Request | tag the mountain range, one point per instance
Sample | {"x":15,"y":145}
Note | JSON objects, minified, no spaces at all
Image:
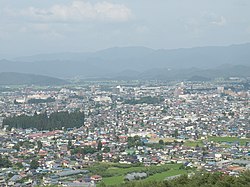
{"x":138,"y":62}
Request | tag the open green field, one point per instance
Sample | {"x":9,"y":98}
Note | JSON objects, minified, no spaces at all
{"x":193,"y":143}
{"x":163,"y":175}
{"x":217,"y":139}
{"x":113,"y":180}
{"x":121,"y":172}
{"x":228,"y":139}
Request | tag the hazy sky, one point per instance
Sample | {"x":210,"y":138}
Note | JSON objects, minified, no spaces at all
{"x":47,"y":26}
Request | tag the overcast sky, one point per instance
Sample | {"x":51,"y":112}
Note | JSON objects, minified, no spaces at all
{"x":46,"y":26}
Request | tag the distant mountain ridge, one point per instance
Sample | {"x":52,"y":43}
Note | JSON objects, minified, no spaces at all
{"x":109,"y":62}
{"x":12,"y":78}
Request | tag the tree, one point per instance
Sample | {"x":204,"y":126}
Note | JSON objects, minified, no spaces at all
{"x":16,"y":147}
{"x":106,"y":149}
{"x":99,"y":146}
{"x":4,"y":162}
{"x":15,"y":102}
{"x":176,"y":133}
{"x":117,"y":139}
{"x":34,"y":164}
{"x":161,"y":142}
{"x":99,"y":157}
{"x":39,"y":145}
{"x":248,"y":135}
{"x":69,"y":144}
{"x":19,"y":165}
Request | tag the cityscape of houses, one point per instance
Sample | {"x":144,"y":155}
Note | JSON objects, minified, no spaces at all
{"x":204,"y":126}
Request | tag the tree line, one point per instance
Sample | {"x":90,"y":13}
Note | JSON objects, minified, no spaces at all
{"x":56,"y":120}
{"x":144,"y":100}
{"x":37,"y":101}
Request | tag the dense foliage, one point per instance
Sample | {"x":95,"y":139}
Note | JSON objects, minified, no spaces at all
{"x":134,"y":141}
{"x":198,"y":180}
{"x":85,"y":150}
{"x":4,"y":162}
{"x":37,"y":101}
{"x":56,"y":120}
{"x":146,"y":100}
{"x":34,"y":164}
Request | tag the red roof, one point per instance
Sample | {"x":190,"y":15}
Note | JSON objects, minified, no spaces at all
{"x":47,"y":134}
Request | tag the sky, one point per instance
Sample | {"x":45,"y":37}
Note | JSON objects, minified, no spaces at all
{"x":30,"y":27}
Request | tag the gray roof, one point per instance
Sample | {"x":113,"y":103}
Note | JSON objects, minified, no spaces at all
{"x":70,"y":172}
{"x":15,"y":178}
{"x":244,"y":162}
{"x":80,"y":184}
{"x":4,"y":150}
{"x":172,"y":177}
{"x":133,"y":176}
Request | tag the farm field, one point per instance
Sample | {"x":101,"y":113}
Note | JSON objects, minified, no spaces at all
{"x":228,"y":139}
{"x":217,"y":139}
{"x":120,"y":173}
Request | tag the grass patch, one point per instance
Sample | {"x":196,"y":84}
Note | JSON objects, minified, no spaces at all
{"x":124,"y":171}
{"x":193,"y":143}
{"x":121,"y":172}
{"x":217,"y":139}
{"x":228,"y":139}
{"x":163,"y":175}
{"x":113,"y":180}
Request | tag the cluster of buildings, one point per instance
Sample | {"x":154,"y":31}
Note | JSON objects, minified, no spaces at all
{"x":179,"y":127}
